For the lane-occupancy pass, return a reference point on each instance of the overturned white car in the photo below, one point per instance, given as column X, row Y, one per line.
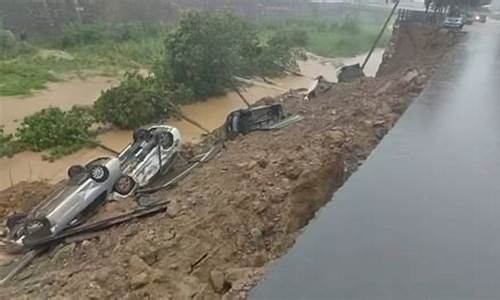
column 148, row 157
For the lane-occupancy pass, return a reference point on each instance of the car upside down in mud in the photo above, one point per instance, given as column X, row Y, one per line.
column 350, row 73
column 264, row 117
column 148, row 157
column 244, row 121
column 145, row 166
column 88, row 187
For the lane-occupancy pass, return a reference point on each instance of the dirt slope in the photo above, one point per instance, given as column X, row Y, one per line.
column 244, row 209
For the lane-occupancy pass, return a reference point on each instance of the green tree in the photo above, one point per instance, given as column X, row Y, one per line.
column 207, row 50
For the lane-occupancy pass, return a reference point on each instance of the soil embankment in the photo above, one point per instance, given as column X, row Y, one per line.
column 243, row 209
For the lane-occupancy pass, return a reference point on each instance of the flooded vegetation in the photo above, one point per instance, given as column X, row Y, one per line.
column 70, row 74
column 210, row 113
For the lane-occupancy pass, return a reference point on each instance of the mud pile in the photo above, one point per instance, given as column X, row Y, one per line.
column 23, row 197
column 243, row 209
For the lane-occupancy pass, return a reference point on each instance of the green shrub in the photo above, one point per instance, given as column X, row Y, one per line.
column 8, row 147
column 7, row 40
column 135, row 102
column 76, row 34
column 295, row 37
column 57, row 131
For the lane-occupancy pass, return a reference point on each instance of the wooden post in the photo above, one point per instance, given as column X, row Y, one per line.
column 235, row 88
column 183, row 116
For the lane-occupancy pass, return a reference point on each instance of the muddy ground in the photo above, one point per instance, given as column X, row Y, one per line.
column 241, row 211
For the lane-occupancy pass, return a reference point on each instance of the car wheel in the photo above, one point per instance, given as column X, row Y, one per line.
column 166, row 140
column 15, row 220
column 141, row 134
column 38, row 225
column 99, row 173
column 75, row 171
column 125, row 185
column 232, row 129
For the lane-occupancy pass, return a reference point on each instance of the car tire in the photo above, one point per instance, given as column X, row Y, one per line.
column 232, row 122
column 99, row 173
column 141, row 134
column 125, row 185
column 167, row 140
column 75, row 171
column 15, row 220
column 38, row 225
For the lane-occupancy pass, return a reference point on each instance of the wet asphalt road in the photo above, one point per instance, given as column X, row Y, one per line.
column 421, row 218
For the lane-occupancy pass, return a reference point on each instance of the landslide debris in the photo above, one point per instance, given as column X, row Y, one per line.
column 244, row 209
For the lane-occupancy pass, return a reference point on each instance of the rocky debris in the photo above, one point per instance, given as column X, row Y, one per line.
column 217, row 279
column 410, row 76
column 55, row 54
column 139, row 280
column 23, row 197
column 386, row 88
column 335, row 137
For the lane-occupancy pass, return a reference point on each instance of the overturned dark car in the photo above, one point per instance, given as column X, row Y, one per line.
column 251, row 119
column 265, row 117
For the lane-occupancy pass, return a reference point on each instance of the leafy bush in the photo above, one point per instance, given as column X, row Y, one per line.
column 55, row 130
column 8, row 147
column 77, row 34
column 135, row 102
column 294, row 37
column 7, row 39
column 275, row 56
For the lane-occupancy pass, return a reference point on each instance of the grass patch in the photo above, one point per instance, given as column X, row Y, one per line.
column 105, row 50
column 21, row 77
column 110, row 49
column 338, row 37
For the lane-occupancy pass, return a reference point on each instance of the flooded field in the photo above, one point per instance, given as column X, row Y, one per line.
column 211, row 114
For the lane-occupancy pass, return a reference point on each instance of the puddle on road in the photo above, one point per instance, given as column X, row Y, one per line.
column 211, row 114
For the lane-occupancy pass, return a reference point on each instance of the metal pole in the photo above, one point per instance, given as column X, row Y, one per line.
column 380, row 34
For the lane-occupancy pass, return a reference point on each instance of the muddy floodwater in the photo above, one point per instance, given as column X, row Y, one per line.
column 210, row 113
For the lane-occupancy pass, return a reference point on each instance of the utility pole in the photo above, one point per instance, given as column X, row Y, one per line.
column 380, row 34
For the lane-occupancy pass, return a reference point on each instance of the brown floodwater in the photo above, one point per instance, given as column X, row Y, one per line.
column 210, row 113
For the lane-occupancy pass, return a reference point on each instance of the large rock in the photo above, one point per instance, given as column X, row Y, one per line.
column 139, row 280
column 58, row 55
column 410, row 76
column 386, row 88
column 233, row 275
column 334, row 137
column 217, row 279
